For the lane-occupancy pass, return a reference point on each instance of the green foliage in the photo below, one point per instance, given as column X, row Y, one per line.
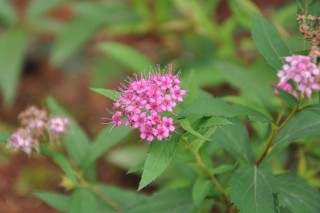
column 171, row 201
column 113, row 95
column 185, row 124
column 288, row 98
column 76, row 142
column 208, row 106
column 200, row 190
column 126, row 55
column 269, row 43
column 252, row 189
column 304, row 124
column 83, row 201
column 297, row 195
column 244, row 11
column 62, row 161
column 235, row 140
column 12, row 51
column 72, row 38
column 39, row 7
column 107, row 138
column 158, row 159
column 58, row 201
column 8, row 14
column 308, row 7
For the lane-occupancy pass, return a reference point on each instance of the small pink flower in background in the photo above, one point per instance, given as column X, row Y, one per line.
column 302, row 72
column 35, row 123
column 58, row 125
column 143, row 101
column 286, row 87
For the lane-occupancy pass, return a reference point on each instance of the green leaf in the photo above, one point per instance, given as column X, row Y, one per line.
column 208, row 106
column 158, row 159
column 288, row 98
column 305, row 124
column 297, row 195
column 82, row 201
column 268, row 41
column 113, row 95
column 8, row 15
column 191, row 85
column 126, row 55
column 121, row 197
column 185, row 124
column 235, row 140
column 171, row 201
column 200, row 190
column 106, row 139
column 4, row 136
column 12, row 51
column 38, row 7
column 244, row 11
column 76, row 141
column 60, row 160
column 308, row 7
column 72, row 38
column 223, row 169
column 215, row 121
column 109, row 13
column 57, row 201
column 252, row 189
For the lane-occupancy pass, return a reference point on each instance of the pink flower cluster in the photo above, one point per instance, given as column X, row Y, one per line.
column 35, row 123
column 302, row 72
column 143, row 101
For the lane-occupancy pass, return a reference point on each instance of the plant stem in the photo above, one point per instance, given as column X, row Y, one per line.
column 93, row 189
column 275, row 131
column 211, row 176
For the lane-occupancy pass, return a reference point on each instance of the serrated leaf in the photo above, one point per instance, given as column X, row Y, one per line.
column 38, row 7
column 185, row 124
column 83, row 201
column 171, row 201
column 158, row 159
column 305, row 124
column 252, row 189
column 215, row 121
column 57, row 201
column 269, row 43
column 107, row 138
column 113, row 95
column 297, row 195
column 126, row 55
column 288, row 98
column 60, row 160
column 72, row 38
column 76, row 141
column 200, row 190
column 12, row 52
column 235, row 140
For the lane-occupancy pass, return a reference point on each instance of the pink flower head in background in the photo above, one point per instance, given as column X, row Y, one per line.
column 144, row 100
column 35, row 123
column 302, row 72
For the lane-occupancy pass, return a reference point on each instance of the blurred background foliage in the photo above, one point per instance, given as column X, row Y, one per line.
column 97, row 43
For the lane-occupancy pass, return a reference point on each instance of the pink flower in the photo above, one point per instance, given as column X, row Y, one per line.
column 302, row 72
column 143, row 101
column 35, row 125
column 58, row 125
